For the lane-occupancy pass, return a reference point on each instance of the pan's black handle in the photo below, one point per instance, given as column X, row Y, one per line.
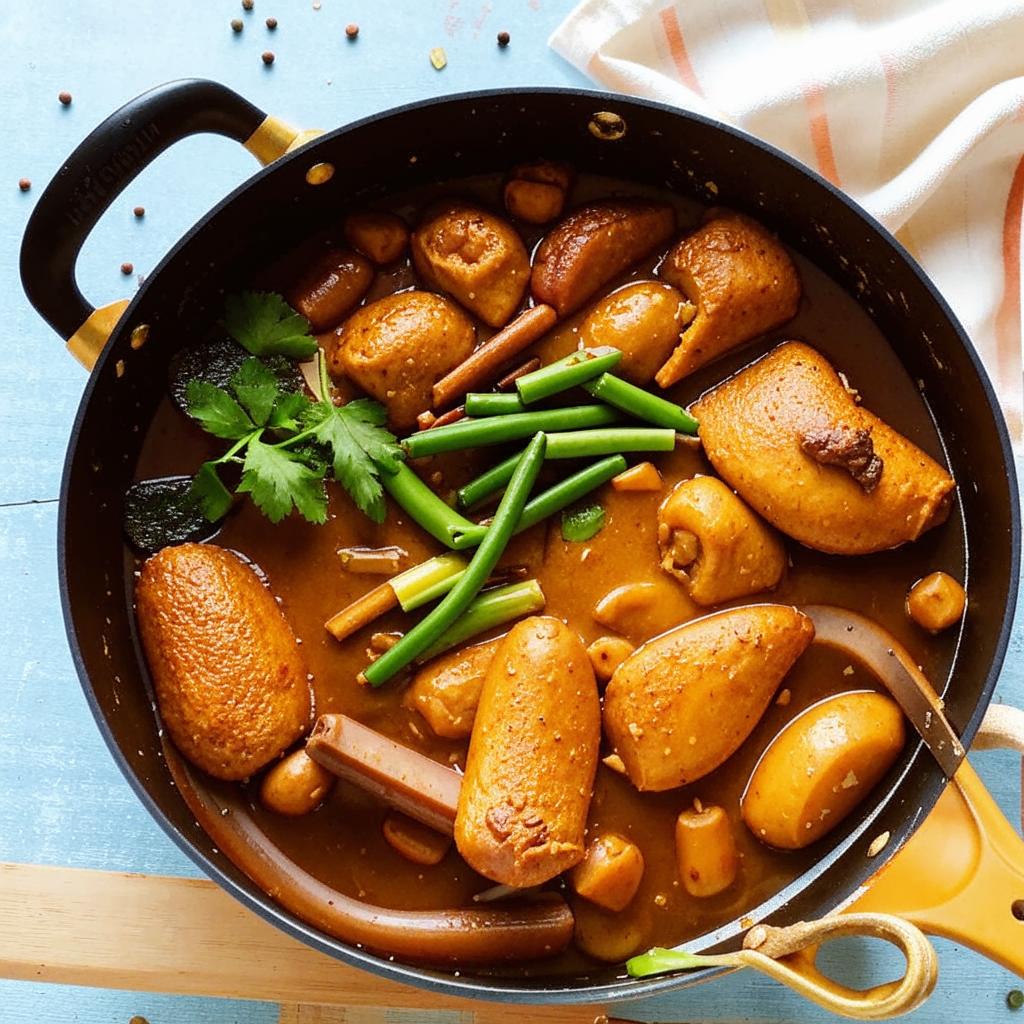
column 103, row 165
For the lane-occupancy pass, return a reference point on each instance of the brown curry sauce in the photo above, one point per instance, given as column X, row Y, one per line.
column 342, row 843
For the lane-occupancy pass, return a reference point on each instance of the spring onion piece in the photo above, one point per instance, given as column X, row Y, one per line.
column 423, row 579
column 499, row 429
column 445, row 614
column 426, row 508
column 583, row 522
column 488, row 404
column 571, row 489
column 492, row 608
column 659, row 960
column 574, row 369
column 480, row 488
column 641, row 404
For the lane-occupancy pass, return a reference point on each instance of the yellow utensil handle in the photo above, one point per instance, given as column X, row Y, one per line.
column 788, row 955
column 961, row 875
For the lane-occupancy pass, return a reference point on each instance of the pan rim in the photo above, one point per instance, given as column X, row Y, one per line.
column 496, row 989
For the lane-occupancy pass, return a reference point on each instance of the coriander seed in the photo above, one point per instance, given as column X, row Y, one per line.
column 271, row 23
column 65, row 97
column 352, row 30
column 248, row 5
column 237, row 24
column 268, row 57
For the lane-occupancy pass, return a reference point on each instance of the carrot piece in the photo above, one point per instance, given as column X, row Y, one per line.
column 644, row 476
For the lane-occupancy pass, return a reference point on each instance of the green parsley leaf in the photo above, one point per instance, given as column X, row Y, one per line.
column 217, row 411
column 264, row 324
column 209, row 493
column 360, row 445
column 582, row 522
column 257, row 389
column 278, row 479
column 289, row 409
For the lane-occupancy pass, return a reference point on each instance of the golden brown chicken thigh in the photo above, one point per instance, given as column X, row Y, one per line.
column 686, row 700
column 789, row 437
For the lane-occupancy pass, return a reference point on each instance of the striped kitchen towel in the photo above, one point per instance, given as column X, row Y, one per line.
column 913, row 107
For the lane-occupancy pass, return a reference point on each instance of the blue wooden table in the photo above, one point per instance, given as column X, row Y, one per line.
column 62, row 801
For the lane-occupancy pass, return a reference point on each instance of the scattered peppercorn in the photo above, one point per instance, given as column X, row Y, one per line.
column 237, row 24
column 248, row 5
column 139, row 211
column 65, row 97
column 127, row 268
column 352, row 30
column 268, row 57
column 271, row 23
column 24, row 184
column 504, row 38
column 1015, row 999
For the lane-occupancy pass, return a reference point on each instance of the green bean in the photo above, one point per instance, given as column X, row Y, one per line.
column 454, row 604
column 571, row 489
column 499, row 429
column 439, row 520
column 641, row 404
column 491, row 608
column 566, row 373
column 488, row 404
column 582, row 443
column 576, row 444
column 482, row 487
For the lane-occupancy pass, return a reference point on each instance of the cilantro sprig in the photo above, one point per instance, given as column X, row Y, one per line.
column 264, row 324
column 288, row 444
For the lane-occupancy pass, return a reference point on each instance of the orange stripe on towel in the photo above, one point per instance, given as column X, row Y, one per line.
column 789, row 20
column 821, row 137
column 1008, row 325
column 677, row 49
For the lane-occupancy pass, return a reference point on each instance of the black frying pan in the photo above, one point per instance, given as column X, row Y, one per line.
column 449, row 138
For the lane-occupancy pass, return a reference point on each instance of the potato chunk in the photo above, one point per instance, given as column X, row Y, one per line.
column 706, row 851
column 296, row 785
column 230, row 682
column 821, row 766
column 754, row 427
column 593, row 246
column 936, row 602
column 686, row 700
column 743, row 282
column 714, row 544
column 382, row 237
column 644, row 321
column 397, row 347
column 447, row 690
column 523, row 804
column 475, row 257
column 331, row 287
column 610, row 873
